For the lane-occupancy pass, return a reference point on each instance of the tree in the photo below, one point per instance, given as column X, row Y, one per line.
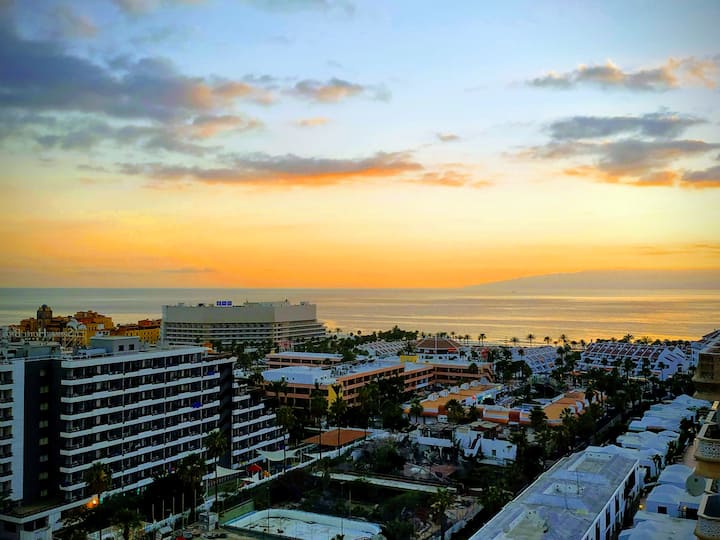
column 416, row 409
column 547, row 340
column 216, row 444
column 481, row 339
column 538, row 419
column 455, row 411
column 530, row 338
column 127, row 519
column 191, row 471
column 441, row 501
column 98, row 478
column 318, row 409
column 277, row 387
column 338, row 410
column 514, row 340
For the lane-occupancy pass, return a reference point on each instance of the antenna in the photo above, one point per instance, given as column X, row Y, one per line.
column 695, row 485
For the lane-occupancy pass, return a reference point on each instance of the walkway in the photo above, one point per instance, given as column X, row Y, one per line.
column 387, row 482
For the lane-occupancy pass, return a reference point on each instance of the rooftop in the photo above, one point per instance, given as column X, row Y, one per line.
column 563, row 502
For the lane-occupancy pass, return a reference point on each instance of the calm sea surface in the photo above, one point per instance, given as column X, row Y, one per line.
column 685, row 314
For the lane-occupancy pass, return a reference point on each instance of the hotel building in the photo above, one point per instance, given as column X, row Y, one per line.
column 663, row 361
column 279, row 322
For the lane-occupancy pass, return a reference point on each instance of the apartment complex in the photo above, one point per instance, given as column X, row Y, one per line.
column 302, row 380
column 135, row 408
column 291, row 358
column 223, row 322
column 148, row 330
column 661, row 361
column 585, row 497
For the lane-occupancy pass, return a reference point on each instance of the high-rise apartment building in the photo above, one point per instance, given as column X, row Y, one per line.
column 138, row 409
column 223, row 322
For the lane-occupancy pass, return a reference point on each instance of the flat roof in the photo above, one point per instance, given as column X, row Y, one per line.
column 330, row 438
column 563, row 502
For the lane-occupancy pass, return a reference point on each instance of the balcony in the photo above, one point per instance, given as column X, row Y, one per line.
column 707, row 452
column 708, row 525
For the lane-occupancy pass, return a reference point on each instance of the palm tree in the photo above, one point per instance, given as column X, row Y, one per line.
column 216, row 444
column 191, row 471
column 338, row 409
column 514, row 340
column 547, row 340
column 318, row 409
column 481, row 339
column 416, row 409
column 530, row 338
column 441, row 501
column 128, row 520
column 563, row 338
column 98, row 478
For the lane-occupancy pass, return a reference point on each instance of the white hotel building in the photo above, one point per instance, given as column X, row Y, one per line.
column 280, row 322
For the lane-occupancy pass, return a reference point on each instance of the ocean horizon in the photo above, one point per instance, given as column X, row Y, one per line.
column 587, row 314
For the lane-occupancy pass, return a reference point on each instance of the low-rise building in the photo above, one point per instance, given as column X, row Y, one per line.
column 584, row 497
column 662, row 361
column 291, row 358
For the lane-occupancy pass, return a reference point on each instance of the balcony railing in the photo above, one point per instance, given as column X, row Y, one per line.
column 708, row 524
column 708, row 443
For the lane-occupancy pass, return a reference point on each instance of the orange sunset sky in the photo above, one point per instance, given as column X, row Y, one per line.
column 354, row 144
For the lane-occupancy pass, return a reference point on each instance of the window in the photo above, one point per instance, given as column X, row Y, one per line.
column 44, row 389
column 43, row 476
column 43, row 458
column 44, row 406
column 43, row 441
column 662, row 509
column 43, row 372
column 43, row 423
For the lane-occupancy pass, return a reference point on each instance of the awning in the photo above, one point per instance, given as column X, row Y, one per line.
column 277, row 455
column 254, row 468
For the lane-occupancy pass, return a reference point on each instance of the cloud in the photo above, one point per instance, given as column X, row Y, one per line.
column 41, row 76
column 138, row 7
column 672, row 74
column 700, row 179
column 297, row 5
column 286, row 169
column 335, row 90
column 452, row 178
column 312, row 122
column 637, row 150
column 447, row 137
column 203, row 127
column 658, row 125
column 72, row 24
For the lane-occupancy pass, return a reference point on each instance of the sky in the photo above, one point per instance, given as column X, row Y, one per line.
column 348, row 143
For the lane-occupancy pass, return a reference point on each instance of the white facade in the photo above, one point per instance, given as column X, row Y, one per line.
column 140, row 412
column 583, row 497
column 661, row 360
column 278, row 322
column 254, row 428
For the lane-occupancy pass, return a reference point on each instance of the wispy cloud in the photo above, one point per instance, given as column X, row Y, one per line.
column 672, row 74
column 263, row 169
column 334, row 90
column 312, row 122
column 139, row 7
column 73, row 24
column 662, row 124
column 447, row 137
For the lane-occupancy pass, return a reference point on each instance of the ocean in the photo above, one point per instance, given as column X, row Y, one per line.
column 672, row 314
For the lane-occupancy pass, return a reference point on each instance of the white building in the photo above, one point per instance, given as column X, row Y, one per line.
column 279, row 322
column 662, row 361
column 541, row 360
column 254, row 427
column 583, row 497
column 652, row 526
column 137, row 409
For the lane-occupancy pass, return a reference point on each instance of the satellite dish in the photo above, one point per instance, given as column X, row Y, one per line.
column 695, row 485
